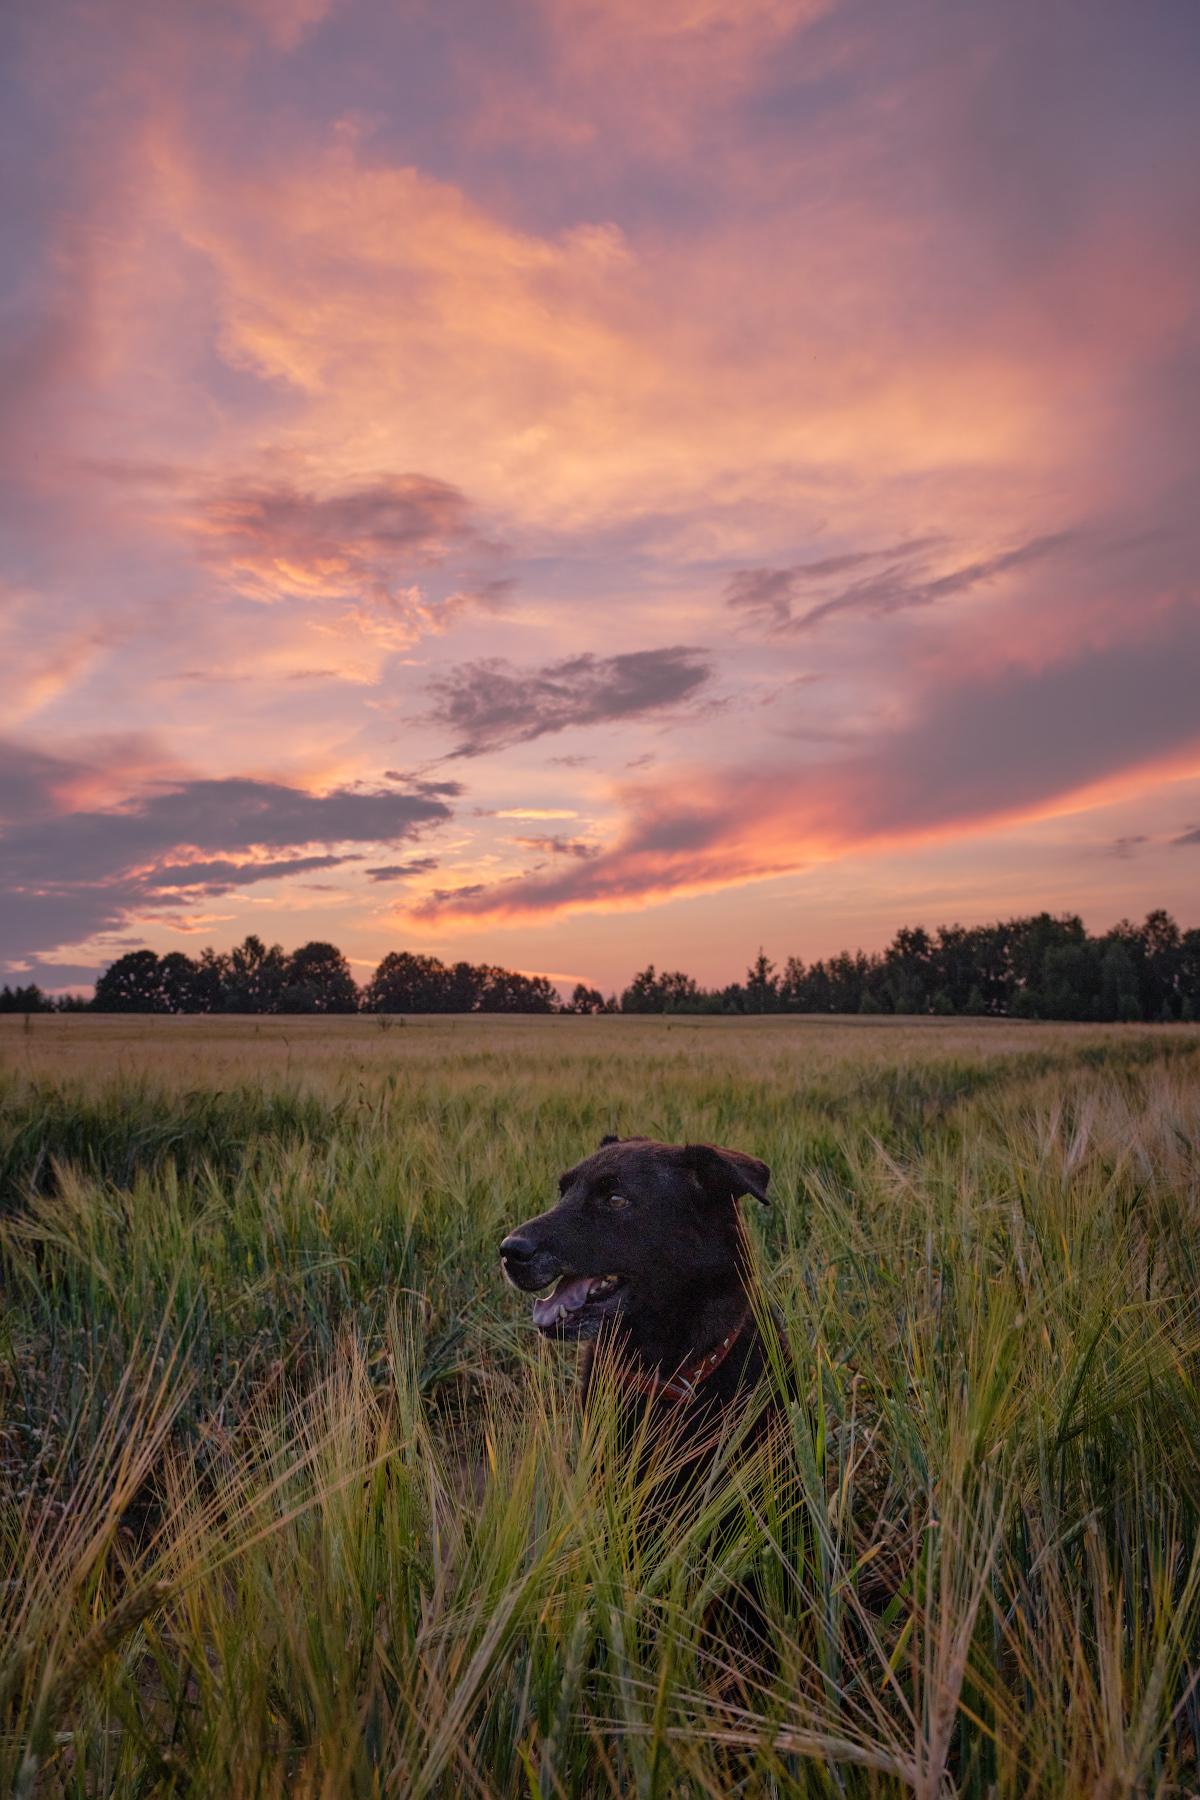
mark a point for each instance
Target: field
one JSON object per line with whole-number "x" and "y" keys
{"x": 292, "y": 1501}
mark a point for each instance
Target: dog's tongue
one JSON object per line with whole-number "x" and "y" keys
{"x": 568, "y": 1296}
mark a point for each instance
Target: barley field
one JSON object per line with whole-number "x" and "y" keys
{"x": 294, "y": 1502}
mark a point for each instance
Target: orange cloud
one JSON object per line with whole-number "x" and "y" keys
{"x": 277, "y": 541}
{"x": 568, "y": 377}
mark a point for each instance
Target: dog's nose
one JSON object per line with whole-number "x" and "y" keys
{"x": 516, "y": 1249}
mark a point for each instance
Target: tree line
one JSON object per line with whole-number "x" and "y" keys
{"x": 258, "y": 978}
{"x": 1039, "y": 967}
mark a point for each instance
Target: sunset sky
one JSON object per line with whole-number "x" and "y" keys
{"x": 574, "y": 483}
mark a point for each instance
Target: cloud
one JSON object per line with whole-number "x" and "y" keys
{"x": 32, "y": 780}
{"x": 233, "y": 813}
{"x": 1009, "y": 743}
{"x": 491, "y": 705}
{"x": 419, "y": 865}
{"x": 778, "y": 598}
{"x": 657, "y": 72}
{"x": 69, "y": 874}
{"x": 535, "y": 812}
{"x": 1124, "y": 847}
{"x": 280, "y": 541}
{"x": 1187, "y": 837}
{"x": 559, "y": 846}
{"x": 219, "y": 876}
{"x": 417, "y": 784}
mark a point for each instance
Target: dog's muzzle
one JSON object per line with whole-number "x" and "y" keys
{"x": 527, "y": 1265}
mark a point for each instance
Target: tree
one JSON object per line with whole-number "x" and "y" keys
{"x": 505, "y": 990}
{"x": 585, "y": 999}
{"x": 28, "y": 999}
{"x": 253, "y": 979}
{"x": 762, "y": 984}
{"x": 1119, "y": 981}
{"x": 464, "y": 986}
{"x": 210, "y": 982}
{"x": 177, "y": 983}
{"x": 677, "y": 992}
{"x": 405, "y": 982}
{"x": 909, "y": 962}
{"x": 1070, "y": 981}
{"x": 643, "y": 994}
{"x": 318, "y": 980}
{"x": 850, "y": 976}
{"x": 1162, "y": 953}
{"x": 793, "y": 987}
{"x": 1189, "y": 975}
{"x": 131, "y": 984}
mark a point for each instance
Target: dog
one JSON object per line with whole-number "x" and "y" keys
{"x": 645, "y": 1262}
{"x": 646, "y": 1258}
{"x": 646, "y": 1253}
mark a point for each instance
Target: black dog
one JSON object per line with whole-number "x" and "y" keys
{"x": 646, "y": 1248}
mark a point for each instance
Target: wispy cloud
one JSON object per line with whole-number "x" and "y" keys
{"x": 581, "y": 848}
{"x": 221, "y": 875}
{"x": 782, "y": 598}
{"x": 419, "y": 865}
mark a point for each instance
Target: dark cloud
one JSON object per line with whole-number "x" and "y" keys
{"x": 1187, "y": 837}
{"x": 439, "y": 790}
{"x": 218, "y": 877}
{"x": 420, "y": 865}
{"x": 471, "y": 891}
{"x": 66, "y": 876}
{"x": 490, "y": 704}
{"x": 227, "y": 815}
{"x": 1124, "y": 847}
{"x": 782, "y": 599}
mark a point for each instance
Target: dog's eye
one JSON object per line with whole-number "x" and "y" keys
{"x": 614, "y": 1202}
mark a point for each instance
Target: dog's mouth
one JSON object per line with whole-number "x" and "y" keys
{"x": 578, "y": 1301}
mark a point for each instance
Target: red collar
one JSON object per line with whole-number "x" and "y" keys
{"x": 689, "y": 1376}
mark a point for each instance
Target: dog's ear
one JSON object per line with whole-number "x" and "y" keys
{"x": 610, "y": 1137}
{"x": 727, "y": 1174}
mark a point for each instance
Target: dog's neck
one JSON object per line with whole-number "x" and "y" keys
{"x": 680, "y": 1337}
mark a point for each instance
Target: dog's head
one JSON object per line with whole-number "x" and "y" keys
{"x": 640, "y": 1227}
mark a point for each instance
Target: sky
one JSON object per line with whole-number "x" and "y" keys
{"x": 577, "y": 483}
